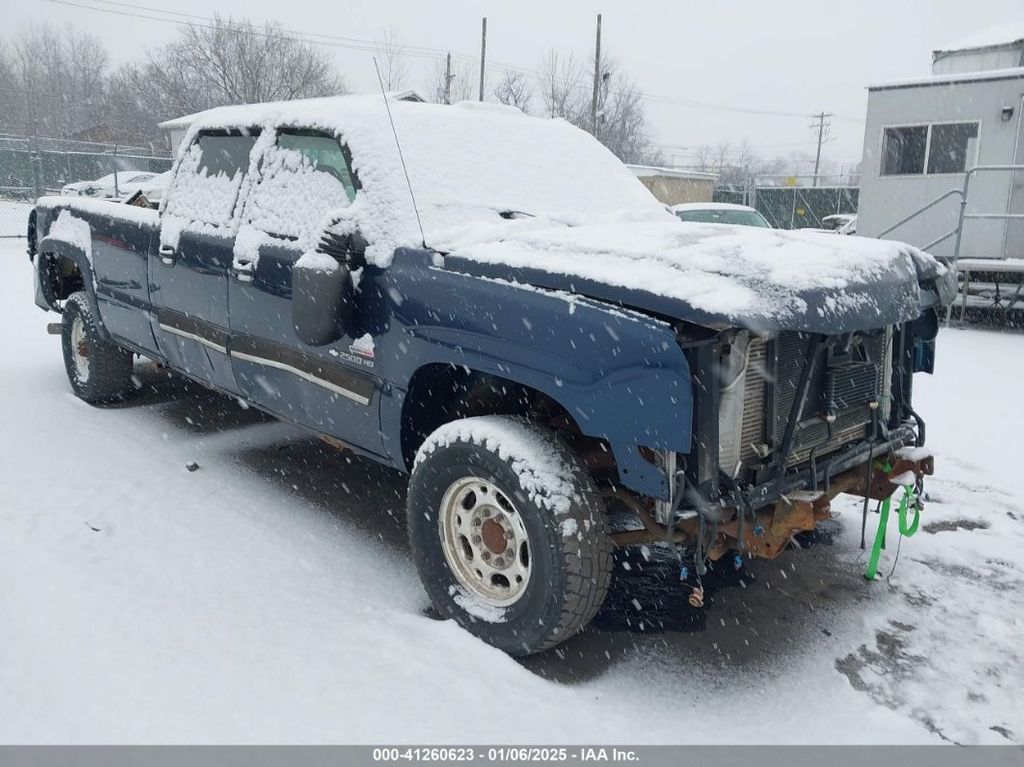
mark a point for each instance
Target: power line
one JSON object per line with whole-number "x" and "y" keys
{"x": 367, "y": 46}
{"x": 354, "y": 42}
{"x": 739, "y": 147}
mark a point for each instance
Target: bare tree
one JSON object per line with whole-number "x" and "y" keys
{"x": 621, "y": 119}
{"x": 393, "y": 70}
{"x": 130, "y": 104}
{"x": 562, "y": 88}
{"x": 461, "y": 88}
{"x": 234, "y": 62}
{"x": 703, "y": 158}
{"x": 9, "y": 94}
{"x": 565, "y": 88}
{"x": 59, "y": 78}
{"x": 514, "y": 90}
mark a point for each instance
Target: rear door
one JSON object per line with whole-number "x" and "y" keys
{"x": 189, "y": 275}
{"x": 301, "y": 179}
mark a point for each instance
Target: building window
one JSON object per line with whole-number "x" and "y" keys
{"x": 951, "y": 147}
{"x": 903, "y": 150}
{"x": 914, "y": 150}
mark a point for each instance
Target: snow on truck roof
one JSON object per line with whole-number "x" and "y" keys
{"x": 467, "y": 164}
{"x": 570, "y": 208}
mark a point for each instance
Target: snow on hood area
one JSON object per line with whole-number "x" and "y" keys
{"x": 496, "y": 187}
{"x": 749, "y": 275}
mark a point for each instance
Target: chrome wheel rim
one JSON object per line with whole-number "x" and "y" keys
{"x": 485, "y": 541}
{"x": 80, "y": 349}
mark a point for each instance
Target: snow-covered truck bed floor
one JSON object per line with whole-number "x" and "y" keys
{"x": 268, "y": 596}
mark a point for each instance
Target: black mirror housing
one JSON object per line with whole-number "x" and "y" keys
{"x": 322, "y": 299}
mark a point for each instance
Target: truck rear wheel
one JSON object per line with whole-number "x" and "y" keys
{"x": 99, "y": 371}
{"x": 508, "y": 533}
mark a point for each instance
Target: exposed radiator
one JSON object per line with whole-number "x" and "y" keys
{"x": 773, "y": 379}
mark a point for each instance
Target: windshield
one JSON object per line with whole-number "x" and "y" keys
{"x": 724, "y": 216}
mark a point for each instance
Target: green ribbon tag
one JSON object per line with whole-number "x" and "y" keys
{"x": 907, "y": 502}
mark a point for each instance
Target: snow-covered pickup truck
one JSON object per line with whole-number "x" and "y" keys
{"x": 509, "y": 316}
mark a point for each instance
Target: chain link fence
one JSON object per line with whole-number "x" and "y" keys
{"x": 31, "y": 167}
{"x": 793, "y": 207}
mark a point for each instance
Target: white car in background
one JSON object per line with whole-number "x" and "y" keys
{"x": 840, "y": 223}
{"x": 719, "y": 213}
{"x": 107, "y": 186}
{"x": 152, "y": 188}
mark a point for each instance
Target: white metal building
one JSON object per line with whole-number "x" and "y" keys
{"x": 923, "y": 135}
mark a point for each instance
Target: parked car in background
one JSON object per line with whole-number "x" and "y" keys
{"x": 152, "y": 188}
{"x": 719, "y": 213}
{"x": 840, "y": 223}
{"x": 107, "y": 186}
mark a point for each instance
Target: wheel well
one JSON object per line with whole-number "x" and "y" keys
{"x": 59, "y": 277}
{"x": 441, "y": 393}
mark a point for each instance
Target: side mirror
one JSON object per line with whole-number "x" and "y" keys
{"x": 322, "y": 298}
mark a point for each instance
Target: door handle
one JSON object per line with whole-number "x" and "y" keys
{"x": 168, "y": 255}
{"x": 242, "y": 269}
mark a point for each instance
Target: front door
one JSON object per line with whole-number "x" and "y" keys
{"x": 333, "y": 389}
{"x": 189, "y": 274}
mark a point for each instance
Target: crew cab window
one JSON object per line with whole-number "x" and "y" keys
{"x": 301, "y": 178}
{"x": 205, "y": 187}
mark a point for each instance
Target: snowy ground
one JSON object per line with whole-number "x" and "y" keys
{"x": 269, "y": 595}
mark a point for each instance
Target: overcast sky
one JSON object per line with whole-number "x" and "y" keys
{"x": 796, "y": 57}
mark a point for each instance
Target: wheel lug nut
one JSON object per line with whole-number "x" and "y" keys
{"x": 508, "y": 535}
{"x": 486, "y": 556}
{"x": 476, "y": 539}
{"x": 509, "y": 553}
{"x": 476, "y": 522}
{"x": 499, "y": 562}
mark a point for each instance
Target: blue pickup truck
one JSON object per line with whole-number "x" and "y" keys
{"x": 494, "y": 305}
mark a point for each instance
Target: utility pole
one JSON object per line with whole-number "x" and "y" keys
{"x": 483, "y": 55}
{"x": 597, "y": 77}
{"x": 822, "y": 127}
{"x": 448, "y": 79}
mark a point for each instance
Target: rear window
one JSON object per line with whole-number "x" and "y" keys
{"x": 205, "y": 187}
{"x": 225, "y": 153}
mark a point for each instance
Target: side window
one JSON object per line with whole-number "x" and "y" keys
{"x": 915, "y": 150}
{"x": 301, "y": 178}
{"x": 903, "y": 150}
{"x": 205, "y": 187}
{"x": 953, "y": 147}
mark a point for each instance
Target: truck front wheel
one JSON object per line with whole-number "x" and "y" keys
{"x": 508, "y": 532}
{"x": 98, "y": 370}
